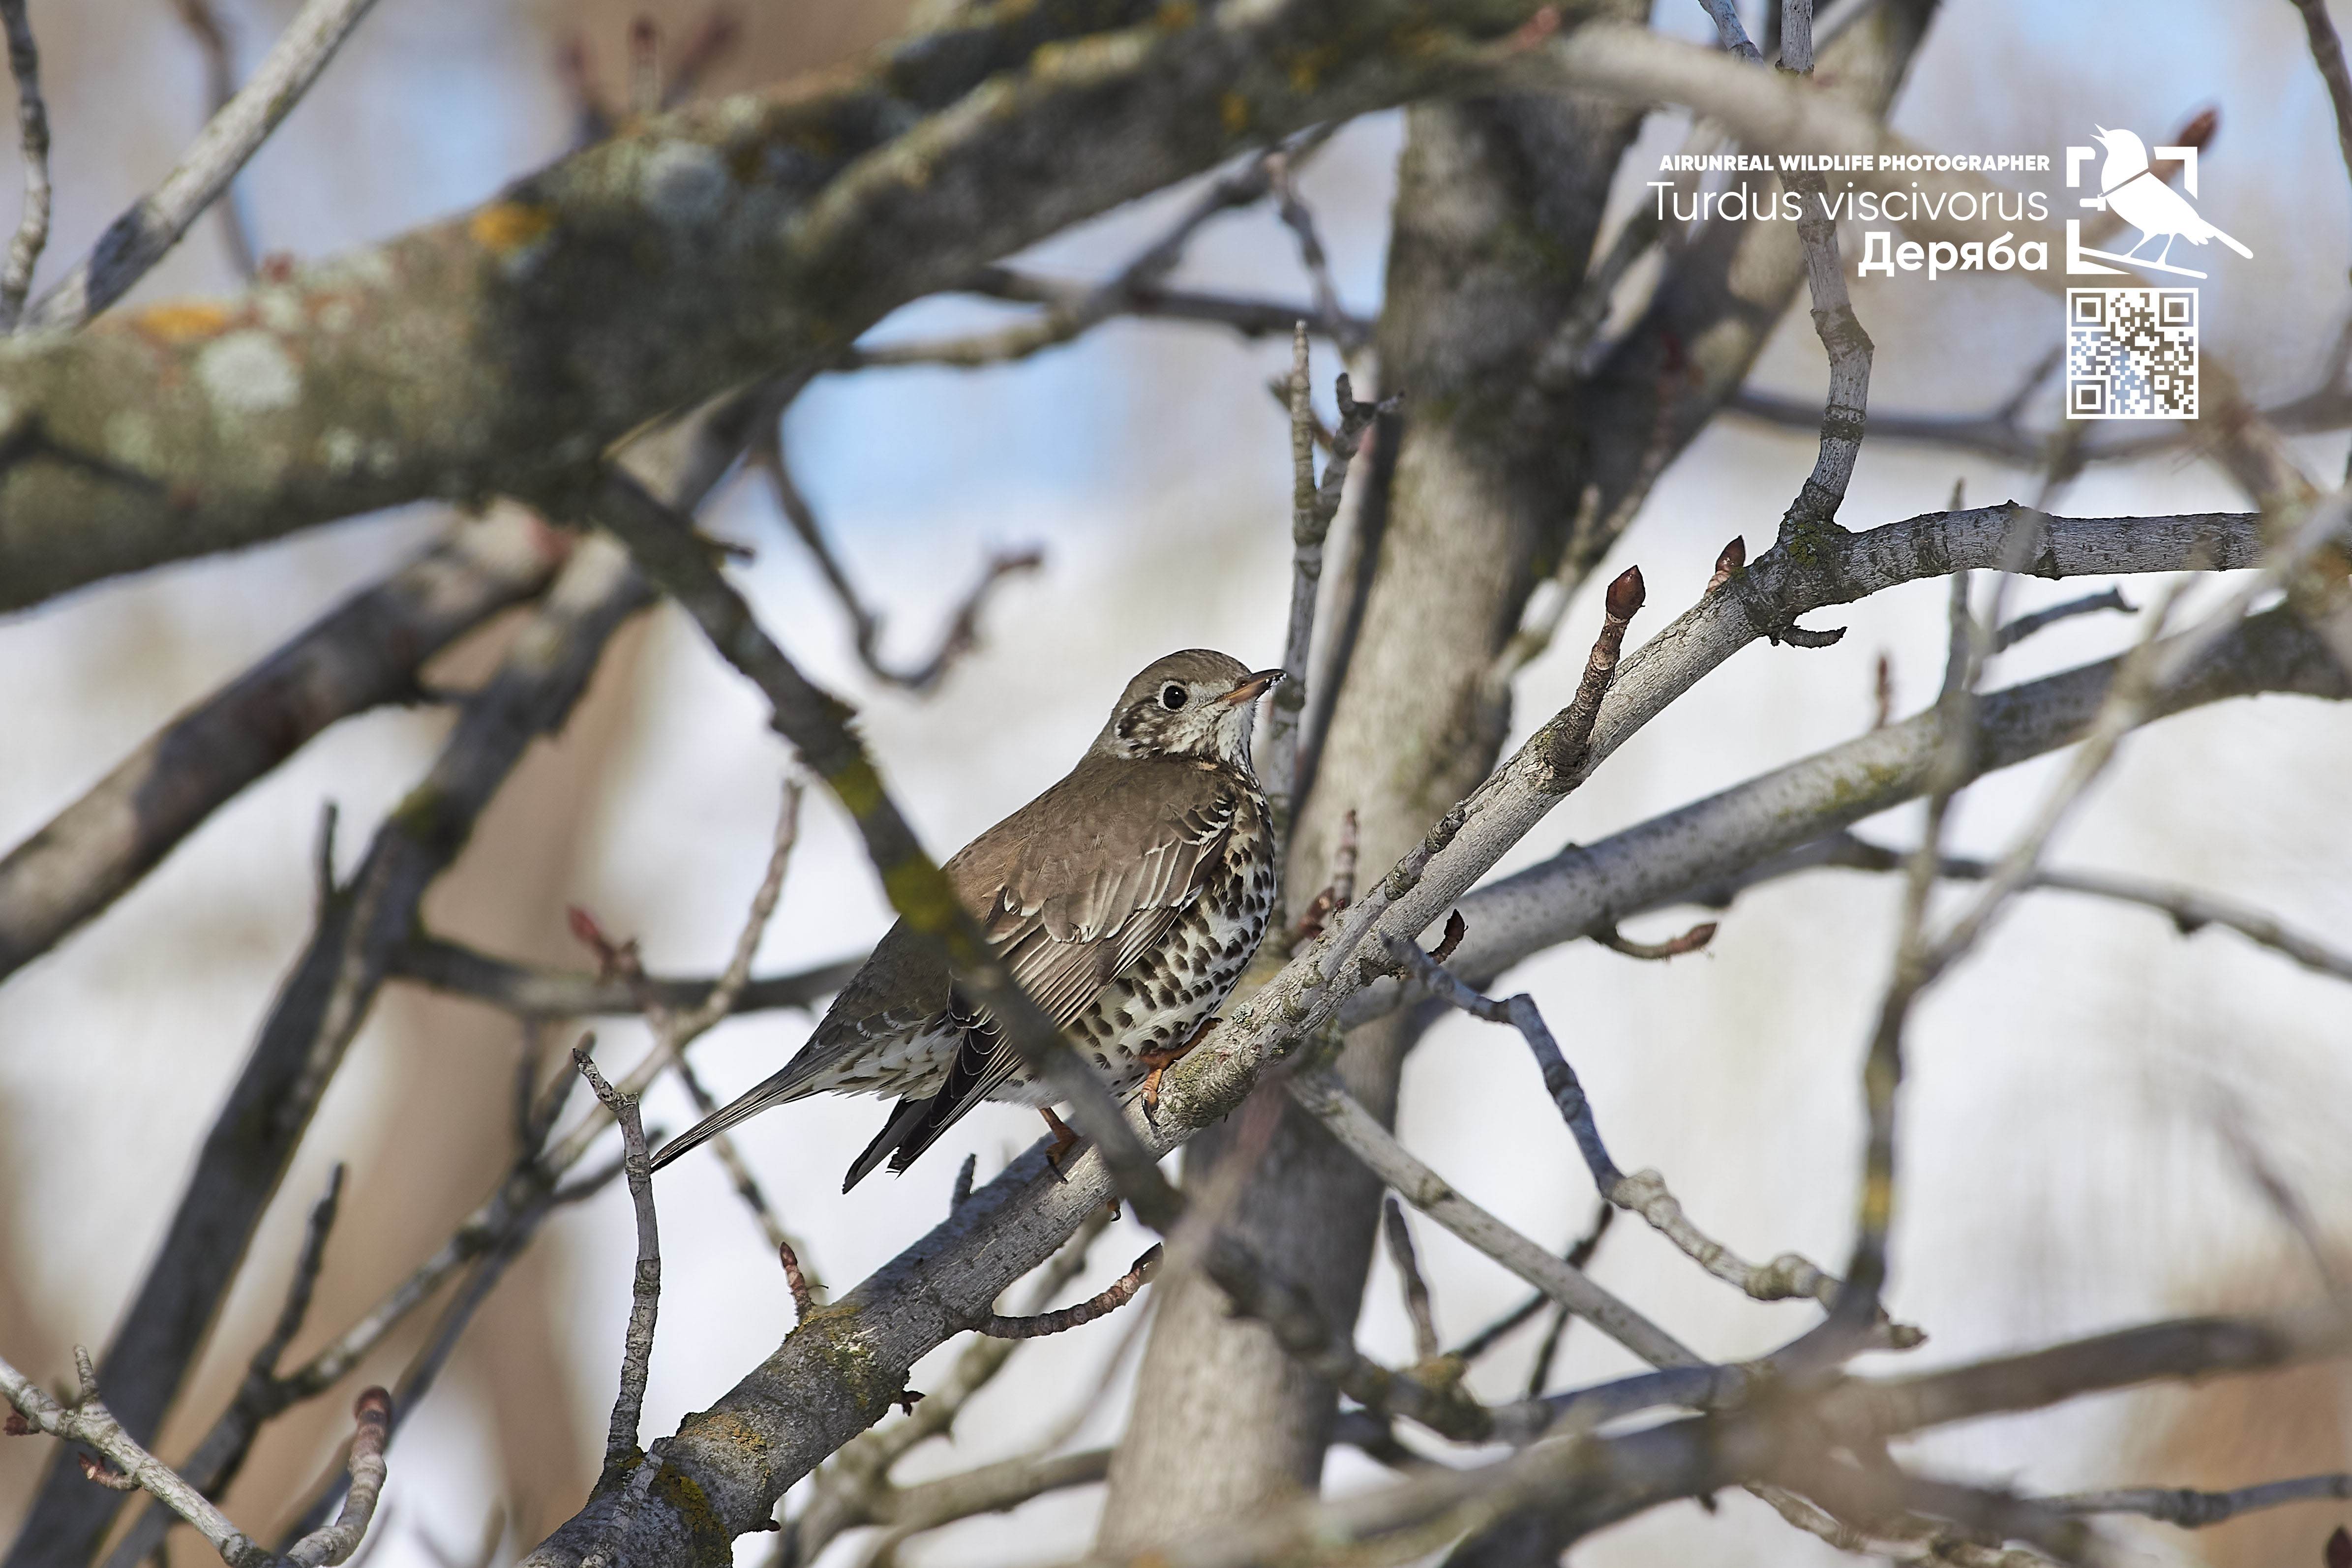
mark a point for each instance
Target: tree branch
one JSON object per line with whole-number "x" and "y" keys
{"x": 365, "y": 653}
{"x": 482, "y": 353}
{"x": 621, "y": 1451}
{"x": 139, "y": 237}
{"x": 33, "y": 139}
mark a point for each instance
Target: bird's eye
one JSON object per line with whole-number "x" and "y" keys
{"x": 1171, "y": 697}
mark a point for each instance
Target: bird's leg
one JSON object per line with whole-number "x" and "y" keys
{"x": 1064, "y": 1139}
{"x": 1160, "y": 1059}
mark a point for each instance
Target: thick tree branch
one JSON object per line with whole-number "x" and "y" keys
{"x": 760, "y": 235}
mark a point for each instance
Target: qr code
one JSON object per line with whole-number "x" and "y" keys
{"x": 2131, "y": 354}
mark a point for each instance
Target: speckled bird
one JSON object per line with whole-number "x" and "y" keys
{"x": 1126, "y": 899}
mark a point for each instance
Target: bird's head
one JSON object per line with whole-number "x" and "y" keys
{"x": 2122, "y": 144}
{"x": 1196, "y": 703}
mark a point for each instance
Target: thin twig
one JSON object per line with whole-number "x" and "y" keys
{"x": 1644, "y": 1193}
{"x": 1313, "y": 505}
{"x": 1425, "y": 1342}
{"x": 32, "y": 141}
{"x": 1579, "y": 1254}
{"x": 644, "y": 1295}
{"x": 2192, "y": 1509}
{"x": 1136, "y": 288}
{"x": 305, "y": 1279}
{"x": 1691, "y": 941}
{"x": 531, "y": 991}
{"x": 220, "y": 85}
{"x": 1337, "y": 894}
{"x": 1295, "y": 217}
{"x": 962, "y": 632}
{"x": 2328, "y": 54}
{"x": 1118, "y": 1294}
{"x": 1321, "y": 1095}
{"x": 2024, "y": 627}
{"x": 139, "y": 237}
{"x": 88, "y": 1422}
{"x": 674, "y": 1031}
{"x": 337, "y": 1541}
{"x": 2190, "y": 910}
{"x": 1845, "y": 410}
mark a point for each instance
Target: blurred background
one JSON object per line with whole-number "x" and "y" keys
{"x": 2068, "y": 1165}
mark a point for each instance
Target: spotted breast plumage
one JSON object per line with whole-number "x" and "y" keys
{"x": 1127, "y": 899}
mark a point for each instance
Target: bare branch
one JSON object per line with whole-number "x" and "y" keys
{"x": 1006, "y": 1227}
{"x": 963, "y": 632}
{"x": 1425, "y": 1342}
{"x": 1337, "y": 894}
{"x": 2328, "y": 54}
{"x": 803, "y": 1298}
{"x": 1728, "y": 28}
{"x": 2193, "y": 1510}
{"x": 139, "y": 237}
{"x": 32, "y": 141}
{"x": 621, "y": 1450}
{"x": 1313, "y": 506}
{"x": 337, "y": 1541}
{"x": 1335, "y": 321}
{"x": 1691, "y": 941}
{"x": 1578, "y": 1255}
{"x": 1330, "y": 1103}
{"x": 122, "y": 1460}
{"x": 536, "y": 993}
{"x": 1644, "y": 1191}
{"x": 2190, "y": 910}
{"x": 364, "y": 653}
{"x": 305, "y": 1279}
{"x": 204, "y": 25}
{"x": 1118, "y": 1294}
{"x": 2024, "y": 627}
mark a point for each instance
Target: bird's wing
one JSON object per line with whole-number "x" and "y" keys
{"x": 1126, "y": 856}
{"x": 1070, "y": 889}
{"x": 1102, "y": 880}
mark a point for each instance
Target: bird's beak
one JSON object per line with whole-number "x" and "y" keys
{"x": 1250, "y": 688}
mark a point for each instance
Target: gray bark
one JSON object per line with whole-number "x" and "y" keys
{"x": 1498, "y": 207}
{"x": 1498, "y": 201}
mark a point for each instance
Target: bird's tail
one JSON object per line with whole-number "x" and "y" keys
{"x": 770, "y": 1091}
{"x": 907, "y": 1122}
{"x": 2232, "y": 242}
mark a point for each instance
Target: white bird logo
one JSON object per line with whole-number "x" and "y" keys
{"x": 2129, "y": 186}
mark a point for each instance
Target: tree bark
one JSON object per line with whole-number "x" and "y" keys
{"x": 1497, "y": 203}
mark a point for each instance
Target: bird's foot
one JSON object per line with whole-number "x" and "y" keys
{"x": 1161, "y": 1060}
{"x": 1063, "y": 1140}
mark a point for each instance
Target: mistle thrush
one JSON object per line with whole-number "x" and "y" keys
{"x": 1126, "y": 899}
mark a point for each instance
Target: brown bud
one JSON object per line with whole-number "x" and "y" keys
{"x": 1457, "y": 928}
{"x": 373, "y": 1407}
{"x": 1734, "y": 556}
{"x": 2198, "y": 131}
{"x": 1625, "y": 595}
